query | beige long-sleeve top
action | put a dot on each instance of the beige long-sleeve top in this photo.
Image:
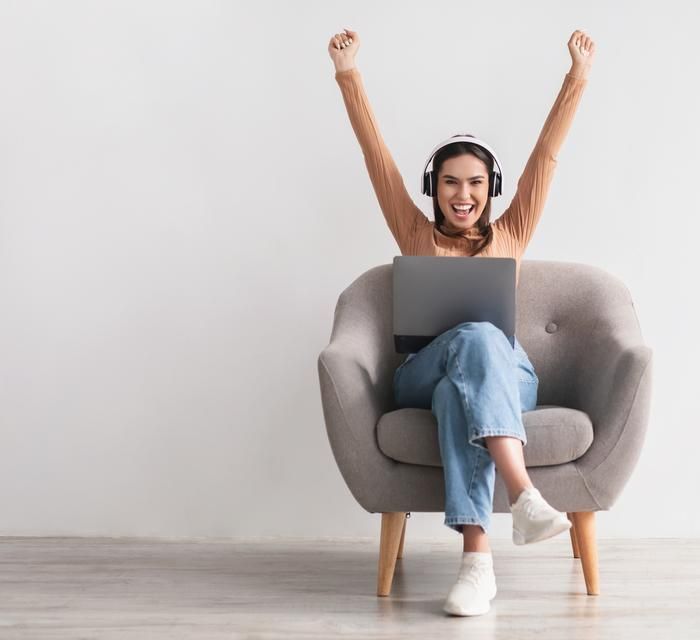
(414, 232)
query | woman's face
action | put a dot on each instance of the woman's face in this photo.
(462, 180)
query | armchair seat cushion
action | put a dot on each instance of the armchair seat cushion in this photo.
(555, 435)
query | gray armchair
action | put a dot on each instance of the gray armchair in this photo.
(579, 327)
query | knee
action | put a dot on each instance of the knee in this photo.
(475, 332)
(476, 327)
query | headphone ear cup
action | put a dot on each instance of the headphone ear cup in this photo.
(495, 189)
(429, 187)
(426, 183)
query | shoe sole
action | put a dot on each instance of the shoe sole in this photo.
(461, 611)
(555, 529)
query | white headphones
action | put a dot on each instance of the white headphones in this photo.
(429, 180)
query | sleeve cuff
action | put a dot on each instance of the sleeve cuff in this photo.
(347, 72)
(581, 79)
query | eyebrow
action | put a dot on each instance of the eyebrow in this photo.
(454, 178)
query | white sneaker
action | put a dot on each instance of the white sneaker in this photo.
(534, 519)
(474, 589)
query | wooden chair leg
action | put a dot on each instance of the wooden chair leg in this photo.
(399, 555)
(392, 528)
(584, 523)
(572, 533)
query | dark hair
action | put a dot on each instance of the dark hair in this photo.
(483, 223)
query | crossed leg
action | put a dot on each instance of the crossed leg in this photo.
(507, 454)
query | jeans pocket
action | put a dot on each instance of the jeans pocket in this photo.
(524, 367)
(528, 394)
(526, 372)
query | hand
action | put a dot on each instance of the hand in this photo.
(582, 50)
(342, 49)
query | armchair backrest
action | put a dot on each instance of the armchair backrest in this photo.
(562, 308)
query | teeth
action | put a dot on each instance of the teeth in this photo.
(462, 207)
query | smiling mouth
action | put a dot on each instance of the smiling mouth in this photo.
(462, 213)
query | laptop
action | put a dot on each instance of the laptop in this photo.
(435, 293)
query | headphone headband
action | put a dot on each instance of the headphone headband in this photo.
(428, 181)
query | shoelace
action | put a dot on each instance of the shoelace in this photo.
(472, 574)
(532, 508)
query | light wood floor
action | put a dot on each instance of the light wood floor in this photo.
(131, 588)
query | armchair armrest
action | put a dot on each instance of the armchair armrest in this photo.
(614, 389)
(356, 372)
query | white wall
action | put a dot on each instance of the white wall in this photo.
(182, 200)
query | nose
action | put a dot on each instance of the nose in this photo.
(465, 191)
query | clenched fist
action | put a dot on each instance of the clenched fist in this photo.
(342, 49)
(582, 50)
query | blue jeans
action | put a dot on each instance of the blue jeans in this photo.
(475, 384)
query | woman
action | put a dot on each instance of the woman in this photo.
(474, 382)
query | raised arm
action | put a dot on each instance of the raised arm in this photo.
(402, 215)
(522, 215)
